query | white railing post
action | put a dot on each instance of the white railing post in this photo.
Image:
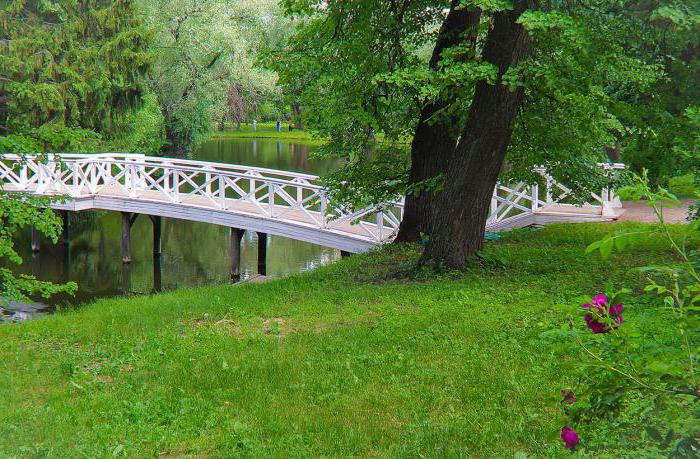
(271, 199)
(40, 180)
(133, 180)
(95, 172)
(23, 176)
(222, 192)
(166, 181)
(494, 204)
(76, 182)
(50, 174)
(535, 196)
(606, 209)
(380, 223)
(176, 185)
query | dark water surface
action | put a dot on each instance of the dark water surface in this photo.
(194, 254)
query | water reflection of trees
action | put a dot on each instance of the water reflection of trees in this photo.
(269, 153)
(193, 253)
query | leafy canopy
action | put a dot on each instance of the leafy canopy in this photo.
(365, 73)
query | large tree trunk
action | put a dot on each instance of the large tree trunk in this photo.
(436, 134)
(462, 207)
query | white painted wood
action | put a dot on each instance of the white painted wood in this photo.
(265, 200)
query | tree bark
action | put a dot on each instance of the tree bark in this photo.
(462, 207)
(436, 135)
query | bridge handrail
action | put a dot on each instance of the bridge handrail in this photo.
(273, 193)
(180, 164)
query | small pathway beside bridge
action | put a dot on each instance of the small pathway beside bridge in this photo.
(639, 211)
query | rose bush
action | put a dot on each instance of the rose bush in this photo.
(639, 376)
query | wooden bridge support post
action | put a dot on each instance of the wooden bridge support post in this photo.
(127, 221)
(126, 278)
(157, 235)
(35, 240)
(157, 275)
(262, 254)
(235, 252)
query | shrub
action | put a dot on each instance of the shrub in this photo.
(639, 374)
(683, 186)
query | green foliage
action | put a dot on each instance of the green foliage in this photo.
(640, 374)
(18, 211)
(142, 130)
(69, 68)
(364, 72)
(204, 49)
(663, 125)
(683, 186)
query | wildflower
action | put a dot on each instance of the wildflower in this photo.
(594, 325)
(570, 437)
(569, 397)
(599, 308)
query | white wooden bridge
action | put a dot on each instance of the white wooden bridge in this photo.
(266, 201)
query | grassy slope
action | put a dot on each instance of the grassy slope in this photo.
(341, 361)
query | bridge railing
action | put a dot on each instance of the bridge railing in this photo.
(274, 194)
(294, 197)
(510, 203)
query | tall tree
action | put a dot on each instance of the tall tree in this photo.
(69, 69)
(474, 164)
(71, 74)
(204, 48)
(503, 87)
(436, 133)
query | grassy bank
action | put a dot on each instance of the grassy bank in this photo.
(266, 131)
(350, 359)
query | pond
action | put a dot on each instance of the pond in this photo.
(194, 254)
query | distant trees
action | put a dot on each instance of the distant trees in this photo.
(133, 74)
(204, 70)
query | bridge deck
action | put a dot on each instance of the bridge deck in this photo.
(234, 213)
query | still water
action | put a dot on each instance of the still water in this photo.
(194, 254)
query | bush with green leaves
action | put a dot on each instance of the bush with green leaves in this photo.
(17, 212)
(683, 186)
(639, 366)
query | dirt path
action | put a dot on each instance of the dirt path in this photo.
(639, 211)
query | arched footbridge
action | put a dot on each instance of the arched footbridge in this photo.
(266, 201)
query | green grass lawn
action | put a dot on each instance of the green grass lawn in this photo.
(266, 131)
(353, 359)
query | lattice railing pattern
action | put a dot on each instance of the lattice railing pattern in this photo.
(280, 195)
(515, 202)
